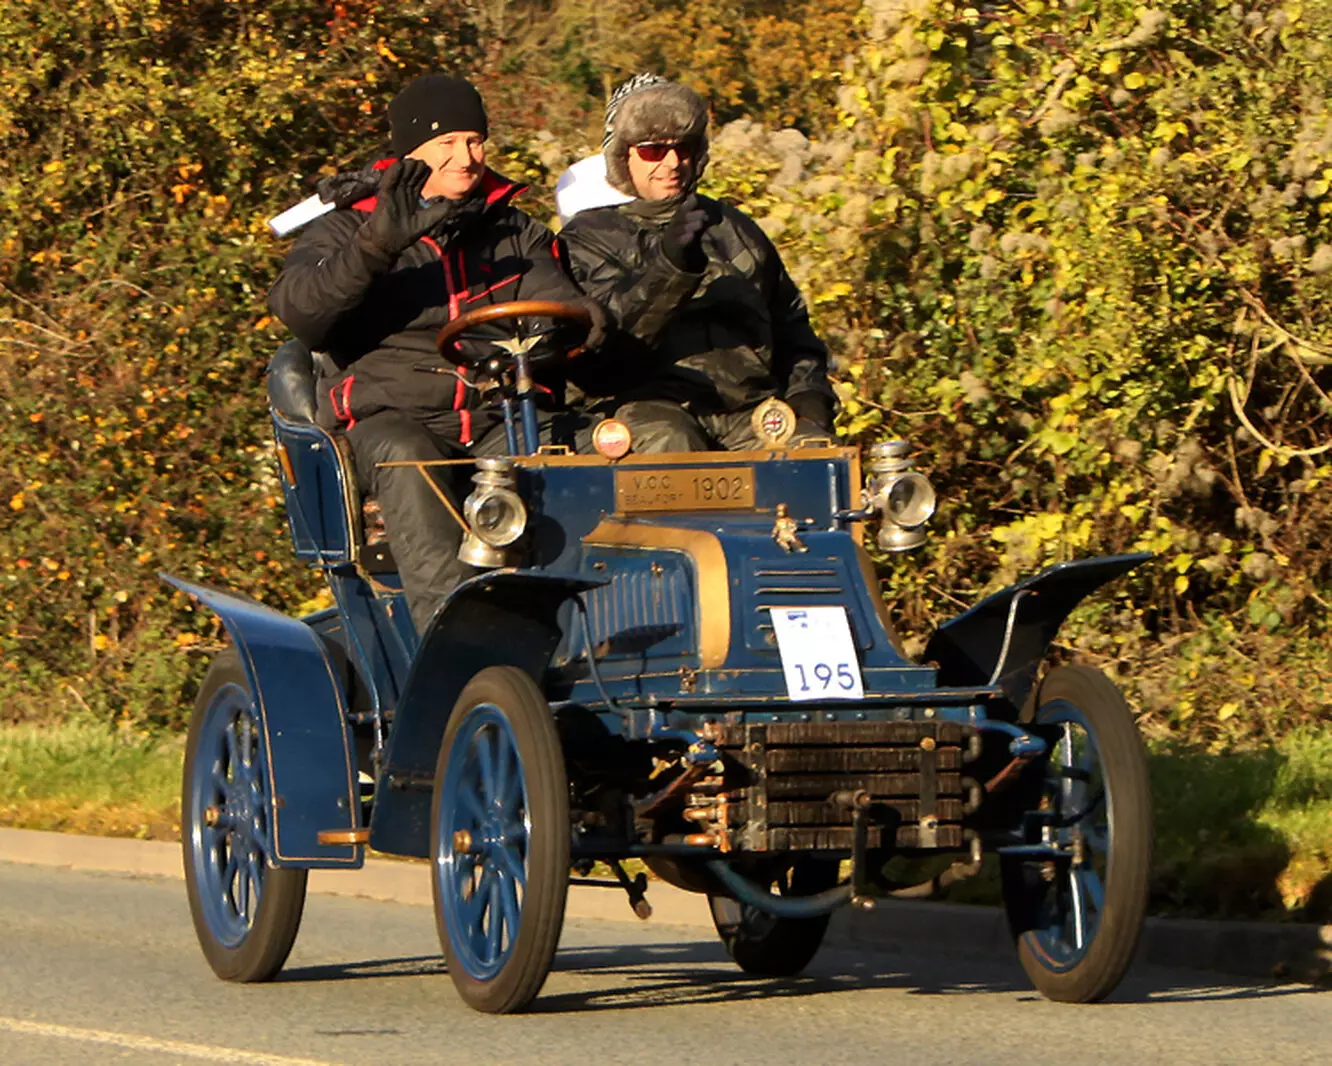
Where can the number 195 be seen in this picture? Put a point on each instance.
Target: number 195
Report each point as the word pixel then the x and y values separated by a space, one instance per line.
pixel 825 673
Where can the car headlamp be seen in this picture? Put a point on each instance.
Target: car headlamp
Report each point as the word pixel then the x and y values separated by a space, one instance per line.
pixel 497 516
pixel 904 498
pixel 494 512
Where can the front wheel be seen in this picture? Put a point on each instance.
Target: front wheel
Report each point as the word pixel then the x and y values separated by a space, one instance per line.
pixel 768 946
pixel 246 913
pixel 499 831
pixel 1076 919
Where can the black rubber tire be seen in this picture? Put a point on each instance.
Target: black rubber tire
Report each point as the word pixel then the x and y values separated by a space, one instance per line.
pixel 1123 761
pixel 264 949
pixel 519 699
pixel 767 946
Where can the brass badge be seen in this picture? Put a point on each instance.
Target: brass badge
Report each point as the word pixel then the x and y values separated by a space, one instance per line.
pixel 773 422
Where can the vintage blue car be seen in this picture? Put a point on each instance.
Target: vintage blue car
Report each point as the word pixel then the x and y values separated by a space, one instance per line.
pixel 681 659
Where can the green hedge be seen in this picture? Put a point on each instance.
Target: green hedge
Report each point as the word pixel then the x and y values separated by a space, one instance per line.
pixel 1081 254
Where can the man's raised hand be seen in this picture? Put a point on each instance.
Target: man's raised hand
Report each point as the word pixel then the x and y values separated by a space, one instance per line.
pixel 400 219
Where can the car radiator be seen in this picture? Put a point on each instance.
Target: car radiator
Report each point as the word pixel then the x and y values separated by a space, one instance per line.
pixel 786 784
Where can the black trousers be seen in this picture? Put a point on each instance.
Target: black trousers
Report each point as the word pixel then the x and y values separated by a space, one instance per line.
pixel 665 426
pixel 424 536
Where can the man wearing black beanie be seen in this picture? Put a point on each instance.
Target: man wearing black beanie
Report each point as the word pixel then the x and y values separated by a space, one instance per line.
pixel 416 240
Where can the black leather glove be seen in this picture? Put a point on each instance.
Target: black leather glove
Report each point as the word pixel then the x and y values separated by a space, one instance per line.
pixel 399 218
pixel 596 332
pixel 345 189
pixel 680 241
pixel 816 407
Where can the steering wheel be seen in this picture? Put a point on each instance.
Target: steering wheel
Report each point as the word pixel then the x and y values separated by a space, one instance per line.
pixel 557 309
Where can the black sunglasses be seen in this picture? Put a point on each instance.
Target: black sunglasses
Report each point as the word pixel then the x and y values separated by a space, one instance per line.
pixel 655 151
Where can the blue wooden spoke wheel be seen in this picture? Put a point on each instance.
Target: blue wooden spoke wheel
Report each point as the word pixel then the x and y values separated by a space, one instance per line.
pixel 1076 919
pixel 766 945
pixel 500 841
pixel 246 913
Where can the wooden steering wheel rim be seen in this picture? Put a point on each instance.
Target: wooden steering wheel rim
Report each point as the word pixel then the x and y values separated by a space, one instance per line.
pixel 511 309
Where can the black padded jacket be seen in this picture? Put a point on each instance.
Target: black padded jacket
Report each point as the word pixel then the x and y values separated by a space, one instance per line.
pixel 719 341
pixel 378 318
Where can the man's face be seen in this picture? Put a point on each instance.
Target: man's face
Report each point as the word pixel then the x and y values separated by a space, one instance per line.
pixel 660 169
pixel 457 160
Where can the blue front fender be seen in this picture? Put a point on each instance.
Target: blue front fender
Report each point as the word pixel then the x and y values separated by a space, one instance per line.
pixel 302 711
pixel 1002 640
pixel 502 618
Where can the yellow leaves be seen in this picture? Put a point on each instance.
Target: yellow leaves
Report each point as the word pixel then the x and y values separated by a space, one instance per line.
pixel 835 291
pixel 1134 81
pixel 1167 131
pixel 55 166
pixel 385 51
pixel 16 502
pixel 1110 64
pixel 186 640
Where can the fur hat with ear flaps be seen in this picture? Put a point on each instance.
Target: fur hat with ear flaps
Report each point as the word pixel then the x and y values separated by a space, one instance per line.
pixel 650 108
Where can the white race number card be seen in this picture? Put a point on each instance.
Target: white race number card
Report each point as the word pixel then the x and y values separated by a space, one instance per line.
pixel 818 654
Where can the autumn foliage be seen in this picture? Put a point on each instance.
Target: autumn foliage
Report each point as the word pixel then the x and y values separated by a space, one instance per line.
pixel 1079 253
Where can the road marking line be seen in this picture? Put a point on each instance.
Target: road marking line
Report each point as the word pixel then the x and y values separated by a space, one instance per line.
pixel 146 1043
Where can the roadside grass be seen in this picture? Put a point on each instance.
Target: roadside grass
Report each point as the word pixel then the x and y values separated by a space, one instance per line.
pixel 1241 834
pixel 1246 833
pixel 81 777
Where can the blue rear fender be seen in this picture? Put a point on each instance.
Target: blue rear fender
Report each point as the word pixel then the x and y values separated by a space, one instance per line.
pixel 1003 639
pixel 502 618
pixel 302 712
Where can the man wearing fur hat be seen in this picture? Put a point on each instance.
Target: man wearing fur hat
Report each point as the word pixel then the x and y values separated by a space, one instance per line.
pixel 414 241
pixel 710 323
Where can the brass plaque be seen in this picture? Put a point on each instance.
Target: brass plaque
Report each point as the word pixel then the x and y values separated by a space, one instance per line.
pixel 684 488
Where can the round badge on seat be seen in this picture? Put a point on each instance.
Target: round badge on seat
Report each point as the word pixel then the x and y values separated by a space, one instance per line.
pixel 612 438
pixel 773 422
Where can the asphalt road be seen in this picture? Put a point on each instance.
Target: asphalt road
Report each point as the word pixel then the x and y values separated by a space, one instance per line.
pixel 98 968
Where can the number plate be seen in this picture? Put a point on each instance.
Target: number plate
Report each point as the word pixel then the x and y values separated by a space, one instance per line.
pixel 684 488
pixel 818 655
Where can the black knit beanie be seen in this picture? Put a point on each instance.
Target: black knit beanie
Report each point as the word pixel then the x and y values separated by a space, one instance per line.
pixel 433 105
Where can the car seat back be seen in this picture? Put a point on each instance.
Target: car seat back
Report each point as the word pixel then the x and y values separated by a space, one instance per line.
pixel 318 475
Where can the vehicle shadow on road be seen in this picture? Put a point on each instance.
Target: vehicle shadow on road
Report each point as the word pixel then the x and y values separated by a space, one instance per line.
pixel 692 973
pixel 414 966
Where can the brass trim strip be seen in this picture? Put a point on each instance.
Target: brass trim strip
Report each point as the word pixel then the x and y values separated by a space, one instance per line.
pixel 284 460
pixel 664 459
pixel 669 459
pixel 856 485
pixel 344 836
pixel 714 588
pixel 876 594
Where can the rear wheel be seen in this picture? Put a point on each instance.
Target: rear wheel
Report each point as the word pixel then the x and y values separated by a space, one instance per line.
pixel 246 913
pixel 500 841
pixel 1077 919
pixel 768 946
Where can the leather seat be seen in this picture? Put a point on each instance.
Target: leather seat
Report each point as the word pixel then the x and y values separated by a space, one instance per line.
pixel 291 381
